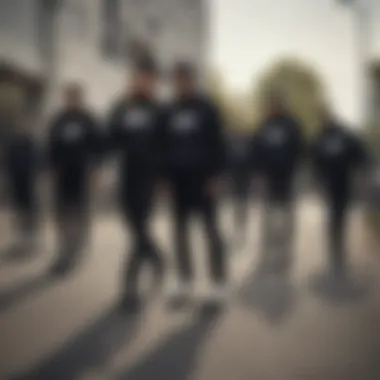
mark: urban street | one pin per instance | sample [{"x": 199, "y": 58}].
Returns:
[{"x": 299, "y": 325}]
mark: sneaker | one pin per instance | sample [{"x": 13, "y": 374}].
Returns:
[
  {"x": 217, "y": 295},
  {"x": 179, "y": 295},
  {"x": 130, "y": 303},
  {"x": 64, "y": 265}
]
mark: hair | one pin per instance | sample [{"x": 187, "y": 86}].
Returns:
[
  {"x": 147, "y": 66},
  {"x": 184, "y": 69},
  {"x": 74, "y": 88}
]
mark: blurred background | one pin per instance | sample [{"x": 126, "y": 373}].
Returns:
[{"x": 295, "y": 327}]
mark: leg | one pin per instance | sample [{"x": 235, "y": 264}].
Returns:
[
  {"x": 64, "y": 260},
  {"x": 136, "y": 205},
  {"x": 181, "y": 243},
  {"x": 288, "y": 227},
  {"x": 216, "y": 250},
  {"x": 241, "y": 213},
  {"x": 338, "y": 212},
  {"x": 267, "y": 234}
]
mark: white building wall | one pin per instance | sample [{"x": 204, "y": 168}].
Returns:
[
  {"x": 18, "y": 34},
  {"x": 80, "y": 56},
  {"x": 79, "y": 37},
  {"x": 181, "y": 32}
]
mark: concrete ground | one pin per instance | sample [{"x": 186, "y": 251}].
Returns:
[{"x": 299, "y": 326}]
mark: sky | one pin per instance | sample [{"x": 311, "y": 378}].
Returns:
[{"x": 247, "y": 35}]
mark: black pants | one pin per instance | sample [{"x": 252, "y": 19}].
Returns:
[
  {"x": 73, "y": 223},
  {"x": 279, "y": 221},
  {"x": 72, "y": 214},
  {"x": 338, "y": 203},
  {"x": 136, "y": 199},
  {"x": 24, "y": 203},
  {"x": 189, "y": 195},
  {"x": 240, "y": 187}
]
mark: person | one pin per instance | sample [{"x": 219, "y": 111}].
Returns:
[
  {"x": 195, "y": 158},
  {"x": 336, "y": 155},
  {"x": 135, "y": 130},
  {"x": 240, "y": 170},
  {"x": 74, "y": 150},
  {"x": 278, "y": 149},
  {"x": 22, "y": 163}
]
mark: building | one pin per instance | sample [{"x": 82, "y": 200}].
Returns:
[{"x": 44, "y": 43}]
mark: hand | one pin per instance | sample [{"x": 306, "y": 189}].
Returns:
[
  {"x": 96, "y": 180},
  {"x": 212, "y": 186},
  {"x": 260, "y": 185},
  {"x": 163, "y": 188}
]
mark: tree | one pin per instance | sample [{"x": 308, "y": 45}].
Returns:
[
  {"x": 299, "y": 83},
  {"x": 236, "y": 108}
]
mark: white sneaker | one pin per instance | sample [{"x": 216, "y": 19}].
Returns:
[
  {"x": 218, "y": 294},
  {"x": 180, "y": 292}
]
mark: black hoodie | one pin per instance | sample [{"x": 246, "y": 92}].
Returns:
[
  {"x": 278, "y": 148},
  {"x": 193, "y": 141},
  {"x": 336, "y": 153}
]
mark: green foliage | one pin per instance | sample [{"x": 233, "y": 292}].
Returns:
[{"x": 300, "y": 83}]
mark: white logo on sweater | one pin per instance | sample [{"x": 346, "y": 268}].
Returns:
[
  {"x": 72, "y": 132},
  {"x": 184, "y": 122},
  {"x": 137, "y": 118}
]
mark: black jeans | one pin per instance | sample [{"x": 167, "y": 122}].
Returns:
[
  {"x": 73, "y": 222},
  {"x": 24, "y": 202},
  {"x": 136, "y": 200},
  {"x": 338, "y": 203},
  {"x": 189, "y": 195},
  {"x": 240, "y": 187}
]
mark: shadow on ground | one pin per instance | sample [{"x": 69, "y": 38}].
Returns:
[
  {"x": 29, "y": 287},
  {"x": 269, "y": 289},
  {"x": 344, "y": 289},
  {"x": 90, "y": 350},
  {"x": 176, "y": 357}
]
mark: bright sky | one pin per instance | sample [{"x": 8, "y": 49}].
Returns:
[{"x": 249, "y": 34}]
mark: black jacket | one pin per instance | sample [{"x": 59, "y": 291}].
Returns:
[
  {"x": 74, "y": 147},
  {"x": 193, "y": 140},
  {"x": 135, "y": 130},
  {"x": 240, "y": 155},
  {"x": 22, "y": 163},
  {"x": 336, "y": 154},
  {"x": 278, "y": 146}
]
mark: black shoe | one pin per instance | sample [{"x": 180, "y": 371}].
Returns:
[
  {"x": 159, "y": 276},
  {"x": 130, "y": 303},
  {"x": 63, "y": 266},
  {"x": 179, "y": 297}
]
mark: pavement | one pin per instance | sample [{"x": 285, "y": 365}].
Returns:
[{"x": 303, "y": 325}]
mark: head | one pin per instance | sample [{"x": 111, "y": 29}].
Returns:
[
  {"x": 277, "y": 104},
  {"x": 73, "y": 96},
  {"x": 144, "y": 78},
  {"x": 25, "y": 124},
  {"x": 184, "y": 78},
  {"x": 325, "y": 112}
]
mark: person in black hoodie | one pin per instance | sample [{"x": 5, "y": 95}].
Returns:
[
  {"x": 73, "y": 153},
  {"x": 23, "y": 160},
  {"x": 195, "y": 158},
  {"x": 278, "y": 150},
  {"x": 337, "y": 154},
  {"x": 135, "y": 132},
  {"x": 240, "y": 171}
]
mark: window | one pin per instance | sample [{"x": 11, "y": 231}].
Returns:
[
  {"x": 47, "y": 11},
  {"x": 77, "y": 19},
  {"x": 112, "y": 28}
]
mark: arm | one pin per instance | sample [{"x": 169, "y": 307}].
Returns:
[
  {"x": 52, "y": 154},
  {"x": 360, "y": 154},
  {"x": 96, "y": 141},
  {"x": 218, "y": 145},
  {"x": 113, "y": 135}
]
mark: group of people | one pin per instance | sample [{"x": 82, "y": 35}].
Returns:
[{"x": 179, "y": 147}]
